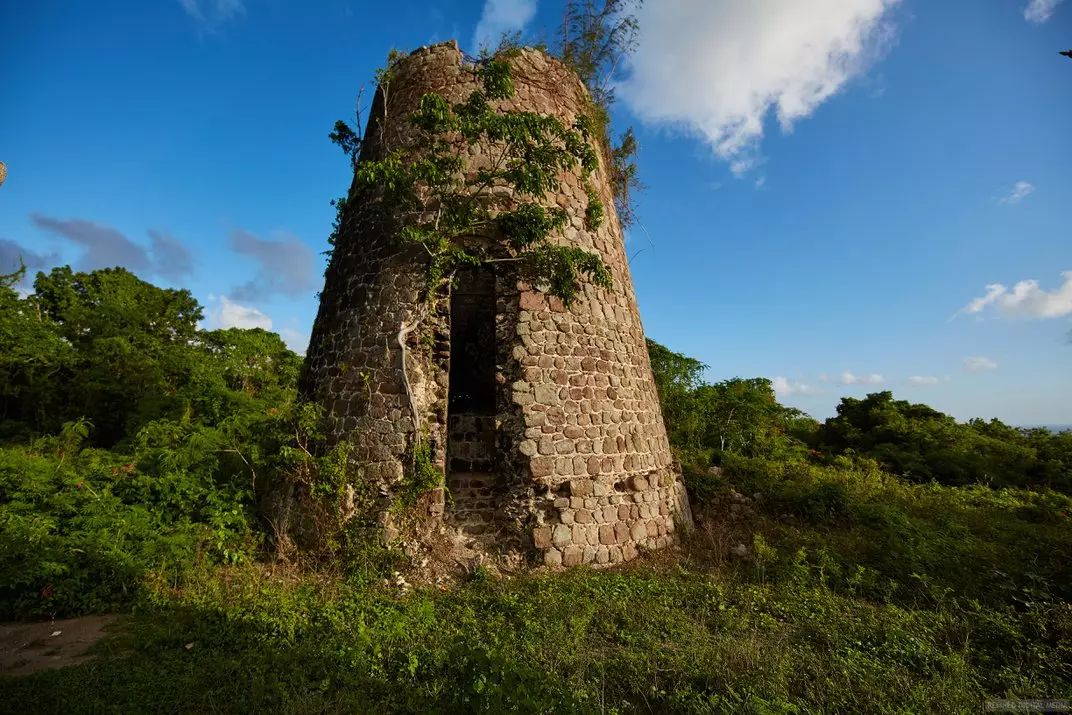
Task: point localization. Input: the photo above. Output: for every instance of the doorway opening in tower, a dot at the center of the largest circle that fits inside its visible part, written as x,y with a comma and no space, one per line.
471,458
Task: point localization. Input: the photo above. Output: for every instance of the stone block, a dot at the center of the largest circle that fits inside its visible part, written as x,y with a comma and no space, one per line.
542,466
541,537
581,487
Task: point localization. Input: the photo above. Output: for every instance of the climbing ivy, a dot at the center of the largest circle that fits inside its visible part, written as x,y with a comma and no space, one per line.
424,187
420,473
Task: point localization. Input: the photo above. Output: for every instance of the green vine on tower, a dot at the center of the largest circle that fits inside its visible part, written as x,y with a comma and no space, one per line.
461,218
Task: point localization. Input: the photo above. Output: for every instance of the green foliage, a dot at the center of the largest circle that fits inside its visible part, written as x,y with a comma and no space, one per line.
339,205
421,474
80,526
923,444
430,171
706,422
918,542
597,35
103,345
134,441
685,640
347,139
861,591
624,177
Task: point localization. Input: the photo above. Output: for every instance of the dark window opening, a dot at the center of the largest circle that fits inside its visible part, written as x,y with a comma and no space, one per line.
472,344
471,463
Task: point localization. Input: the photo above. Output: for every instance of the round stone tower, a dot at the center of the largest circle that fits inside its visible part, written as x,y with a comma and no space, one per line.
543,419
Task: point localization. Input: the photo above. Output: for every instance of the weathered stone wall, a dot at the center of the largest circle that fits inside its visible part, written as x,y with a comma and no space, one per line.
582,470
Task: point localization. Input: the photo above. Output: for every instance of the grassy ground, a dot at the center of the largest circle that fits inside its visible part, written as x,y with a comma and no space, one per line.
860,593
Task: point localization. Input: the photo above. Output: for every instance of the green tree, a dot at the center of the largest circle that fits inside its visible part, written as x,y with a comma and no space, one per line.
35,360
924,444
705,422
132,344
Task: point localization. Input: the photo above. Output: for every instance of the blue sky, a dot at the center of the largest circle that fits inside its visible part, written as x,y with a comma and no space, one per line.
843,195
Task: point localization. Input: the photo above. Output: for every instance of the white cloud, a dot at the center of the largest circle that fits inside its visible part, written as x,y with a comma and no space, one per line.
922,380
228,314
976,305
1020,190
716,68
979,364
848,378
210,14
225,313
1025,300
1040,10
784,387
501,16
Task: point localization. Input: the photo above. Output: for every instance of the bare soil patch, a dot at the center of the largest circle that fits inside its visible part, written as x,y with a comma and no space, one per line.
26,648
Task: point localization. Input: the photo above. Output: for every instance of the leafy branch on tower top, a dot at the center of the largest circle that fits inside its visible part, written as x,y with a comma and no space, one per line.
465,216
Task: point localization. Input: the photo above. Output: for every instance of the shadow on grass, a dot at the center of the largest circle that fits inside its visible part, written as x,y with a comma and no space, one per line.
648,638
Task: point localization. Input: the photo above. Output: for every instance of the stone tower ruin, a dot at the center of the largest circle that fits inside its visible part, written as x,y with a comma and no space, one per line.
543,419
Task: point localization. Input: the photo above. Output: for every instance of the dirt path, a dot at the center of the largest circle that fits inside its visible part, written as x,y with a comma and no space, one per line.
29,647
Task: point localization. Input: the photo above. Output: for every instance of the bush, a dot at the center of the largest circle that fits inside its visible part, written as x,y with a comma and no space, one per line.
79,527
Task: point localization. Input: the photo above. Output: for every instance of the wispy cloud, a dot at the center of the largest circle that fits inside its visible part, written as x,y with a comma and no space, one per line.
847,377
717,68
171,259
501,16
1039,11
211,14
1019,191
979,364
785,387
105,247
11,253
1025,300
922,381
286,266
